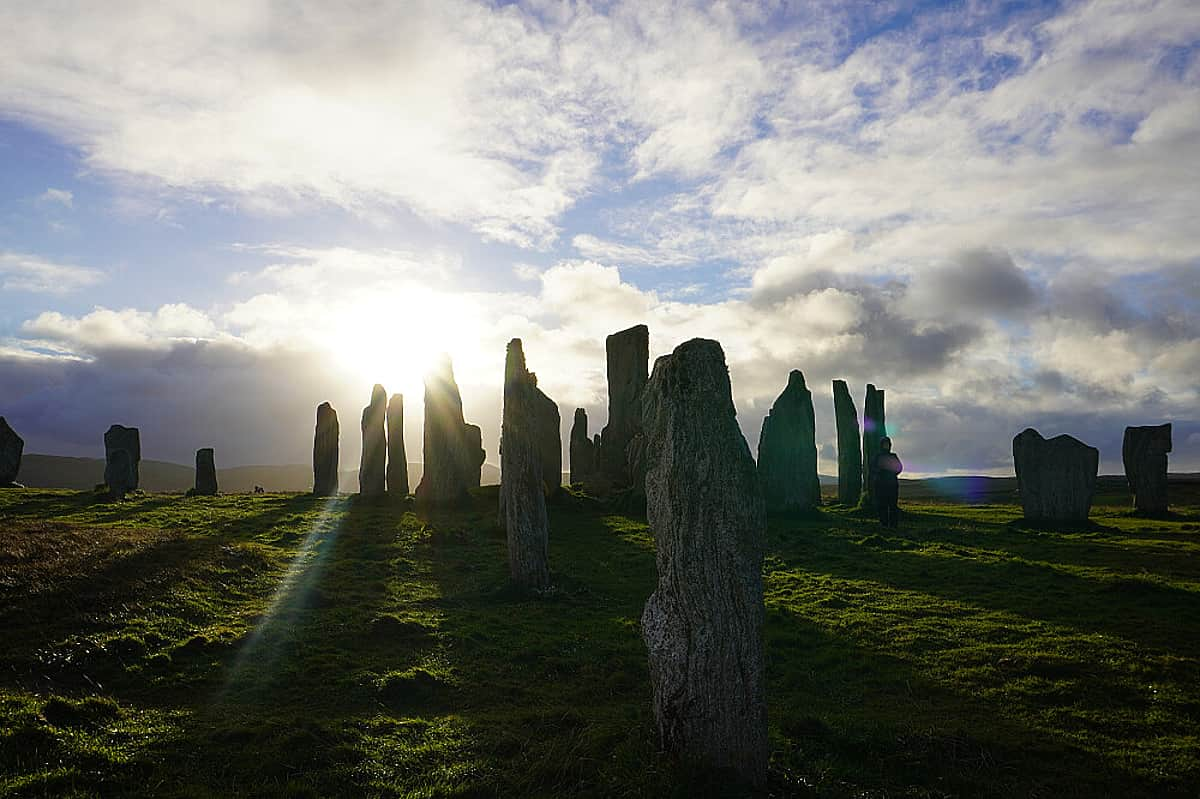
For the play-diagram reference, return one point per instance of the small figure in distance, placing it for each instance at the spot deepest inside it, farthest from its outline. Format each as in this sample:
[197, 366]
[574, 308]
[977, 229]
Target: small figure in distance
[259, 490]
[886, 468]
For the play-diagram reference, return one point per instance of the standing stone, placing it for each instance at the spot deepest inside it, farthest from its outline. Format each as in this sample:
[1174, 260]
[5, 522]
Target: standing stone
[397, 458]
[372, 466]
[325, 452]
[703, 623]
[628, 354]
[874, 428]
[582, 452]
[1144, 452]
[206, 473]
[122, 454]
[1056, 477]
[850, 466]
[787, 450]
[549, 436]
[11, 447]
[522, 475]
[453, 453]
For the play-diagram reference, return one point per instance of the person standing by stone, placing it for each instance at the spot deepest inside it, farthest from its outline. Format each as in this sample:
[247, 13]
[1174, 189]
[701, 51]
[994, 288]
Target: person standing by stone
[325, 452]
[206, 473]
[787, 450]
[372, 465]
[874, 429]
[886, 469]
[11, 447]
[397, 458]
[703, 623]
[849, 445]
[1144, 453]
[522, 490]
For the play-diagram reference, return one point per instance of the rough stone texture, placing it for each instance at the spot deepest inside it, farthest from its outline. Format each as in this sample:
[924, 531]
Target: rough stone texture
[582, 452]
[522, 473]
[850, 465]
[1056, 477]
[121, 470]
[1144, 452]
[206, 473]
[549, 436]
[372, 466]
[787, 450]
[325, 452]
[11, 447]
[397, 458]
[453, 453]
[874, 428]
[628, 354]
[703, 623]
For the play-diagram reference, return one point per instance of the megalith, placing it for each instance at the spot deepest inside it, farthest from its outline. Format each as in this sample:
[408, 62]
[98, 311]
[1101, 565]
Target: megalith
[452, 449]
[1144, 452]
[325, 452]
[522, 473]
[11, 447]
[628, 354]
[549, 437]
[122, 454]
[397, 458]
[1056, 478]
[874, 428]
[372, 466]
[206, 472]
[787, 450]
[849, 452]
[582, 453]
[703, 623]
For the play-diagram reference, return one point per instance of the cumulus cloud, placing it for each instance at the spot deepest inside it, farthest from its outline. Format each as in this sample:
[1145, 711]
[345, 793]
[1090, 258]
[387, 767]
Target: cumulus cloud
[22, 272]
[59, 197]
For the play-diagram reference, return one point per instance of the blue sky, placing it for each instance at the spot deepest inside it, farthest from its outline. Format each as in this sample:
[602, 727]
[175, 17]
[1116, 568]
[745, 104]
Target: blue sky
[210, 221]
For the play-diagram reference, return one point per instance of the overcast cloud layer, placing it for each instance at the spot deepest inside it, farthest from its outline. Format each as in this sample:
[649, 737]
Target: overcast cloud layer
[989, 214]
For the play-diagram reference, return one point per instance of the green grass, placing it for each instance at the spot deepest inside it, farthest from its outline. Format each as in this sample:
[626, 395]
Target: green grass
[285, 645]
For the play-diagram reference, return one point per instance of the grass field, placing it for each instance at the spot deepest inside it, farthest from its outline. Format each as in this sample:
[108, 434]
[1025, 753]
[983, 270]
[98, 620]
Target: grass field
[285, 645]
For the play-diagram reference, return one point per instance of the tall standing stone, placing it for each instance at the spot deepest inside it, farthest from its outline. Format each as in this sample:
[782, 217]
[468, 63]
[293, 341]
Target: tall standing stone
[397, 458]
[874, 428]
[1144, 452]
[628, 353]
[522, 483]
[703, 623]
[122, 454]
[787, 450]
[11, 447]
[372, 466]
[1056, 478]
[325, 452]
[206, 473]
[582, 453]
[849, 452]
[453, 453]
[549, 436]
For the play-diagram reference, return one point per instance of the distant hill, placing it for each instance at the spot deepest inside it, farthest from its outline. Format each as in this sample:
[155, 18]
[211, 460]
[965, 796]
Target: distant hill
[54, 471]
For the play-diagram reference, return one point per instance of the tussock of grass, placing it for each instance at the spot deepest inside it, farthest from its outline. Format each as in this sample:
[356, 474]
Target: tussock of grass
[284, 645]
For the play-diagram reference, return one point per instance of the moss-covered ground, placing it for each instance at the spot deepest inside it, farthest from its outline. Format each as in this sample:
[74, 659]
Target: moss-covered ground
[285, 645]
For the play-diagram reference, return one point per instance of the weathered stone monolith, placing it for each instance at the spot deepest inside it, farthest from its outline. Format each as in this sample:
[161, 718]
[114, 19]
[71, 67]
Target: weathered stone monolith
[628, 353]
[121, 470]
[1144, 452]
[849, 452]
[206, 473]
[522, 483]
[325, 452]
[874, 428]
[703, 623]
[11, 447]
[397, 458]
[549, 436]
[372, 466]
[451, 450]
[582, 453]
[1056, 478]
[787, 450]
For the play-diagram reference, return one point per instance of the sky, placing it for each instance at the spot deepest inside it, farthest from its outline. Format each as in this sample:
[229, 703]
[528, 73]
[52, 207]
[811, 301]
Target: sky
[213, 218]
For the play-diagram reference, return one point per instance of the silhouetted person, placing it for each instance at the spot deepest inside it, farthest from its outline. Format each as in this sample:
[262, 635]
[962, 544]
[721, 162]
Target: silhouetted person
[885, 472]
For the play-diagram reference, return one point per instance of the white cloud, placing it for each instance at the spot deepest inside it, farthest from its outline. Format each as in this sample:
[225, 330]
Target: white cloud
[61, 197]
[22, 272]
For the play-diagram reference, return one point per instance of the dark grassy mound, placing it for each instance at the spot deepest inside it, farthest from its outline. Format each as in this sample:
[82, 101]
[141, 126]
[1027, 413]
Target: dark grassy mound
[279, 645]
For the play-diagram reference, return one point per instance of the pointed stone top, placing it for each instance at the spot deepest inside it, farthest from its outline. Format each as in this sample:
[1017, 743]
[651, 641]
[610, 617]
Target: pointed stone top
[580, 414]
[796, 380]
[397, 399]
[378, 394]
